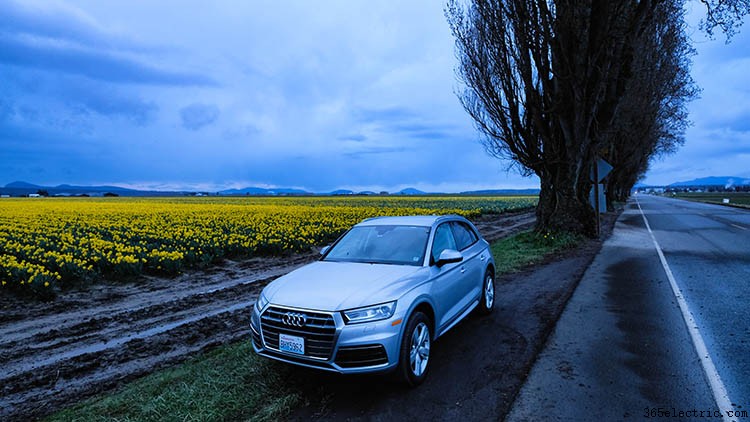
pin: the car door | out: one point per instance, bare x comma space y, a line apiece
449, 283
474, 260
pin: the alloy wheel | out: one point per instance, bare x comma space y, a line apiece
419, 353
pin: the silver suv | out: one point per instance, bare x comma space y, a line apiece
378, 297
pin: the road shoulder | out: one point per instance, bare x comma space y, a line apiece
620, 347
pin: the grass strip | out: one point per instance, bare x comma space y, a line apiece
527, 248
232, 383
736, 199
228, 383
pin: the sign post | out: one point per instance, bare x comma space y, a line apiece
596, 197
598, 173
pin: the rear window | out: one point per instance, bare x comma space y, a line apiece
464, 235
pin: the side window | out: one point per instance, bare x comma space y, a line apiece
443, 240
465, 236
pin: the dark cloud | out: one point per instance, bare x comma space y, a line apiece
100, 65
71, 95
6, 110
419, 130
137, 111
196, 116
58, 22
386, 114
375, 150
403, 123
245, 131
353, 137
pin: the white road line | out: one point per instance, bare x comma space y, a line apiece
739, 227
714, 380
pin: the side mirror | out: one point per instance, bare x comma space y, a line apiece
324, 249
447, 256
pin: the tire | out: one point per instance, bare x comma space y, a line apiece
487, 300
417, 337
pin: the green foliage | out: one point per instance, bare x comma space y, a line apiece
741, 199
530, 247
229, 383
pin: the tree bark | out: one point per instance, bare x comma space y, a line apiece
564, 203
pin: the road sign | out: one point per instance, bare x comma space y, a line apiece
602, 170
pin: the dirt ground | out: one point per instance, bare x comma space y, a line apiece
91, 341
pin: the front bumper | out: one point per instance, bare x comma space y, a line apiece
330, 344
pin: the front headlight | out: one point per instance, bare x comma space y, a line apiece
261, 302
370, 313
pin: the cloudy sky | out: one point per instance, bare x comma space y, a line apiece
316, 95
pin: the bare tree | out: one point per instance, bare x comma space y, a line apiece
545, 80
652, 114
727, 15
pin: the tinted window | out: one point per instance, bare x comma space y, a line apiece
403, 245
443, 240
465, 236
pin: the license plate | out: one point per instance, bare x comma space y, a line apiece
291, 344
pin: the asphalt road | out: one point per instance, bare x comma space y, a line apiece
622, 349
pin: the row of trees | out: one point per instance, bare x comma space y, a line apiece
553, 85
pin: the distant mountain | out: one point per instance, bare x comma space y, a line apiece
263, 191
24, 188
502, 192
288, 192
21, 188
71, 188
410, 191
22, 185
245, 191
726, 181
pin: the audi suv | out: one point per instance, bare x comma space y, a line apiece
378, 297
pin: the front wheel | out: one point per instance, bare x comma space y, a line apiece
487, 301
414, 356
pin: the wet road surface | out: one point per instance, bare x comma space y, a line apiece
622, 349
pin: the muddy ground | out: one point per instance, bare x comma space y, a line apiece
88, 341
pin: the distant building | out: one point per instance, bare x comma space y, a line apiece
4, 196
34, 195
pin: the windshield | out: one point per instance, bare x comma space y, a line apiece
403, 245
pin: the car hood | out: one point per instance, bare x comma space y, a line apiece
335, 286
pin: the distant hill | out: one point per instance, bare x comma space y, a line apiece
22, 185
726, 181
410, 191
23, 188
342, 192
94, 188
263, 191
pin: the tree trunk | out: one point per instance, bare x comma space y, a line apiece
562, 204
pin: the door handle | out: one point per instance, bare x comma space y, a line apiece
463, 270
482, 257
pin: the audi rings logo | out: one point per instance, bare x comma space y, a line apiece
294, 319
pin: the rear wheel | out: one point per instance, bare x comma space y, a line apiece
414, 355
487, 301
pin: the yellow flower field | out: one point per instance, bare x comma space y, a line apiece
46, 242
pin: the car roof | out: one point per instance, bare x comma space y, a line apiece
409, 220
